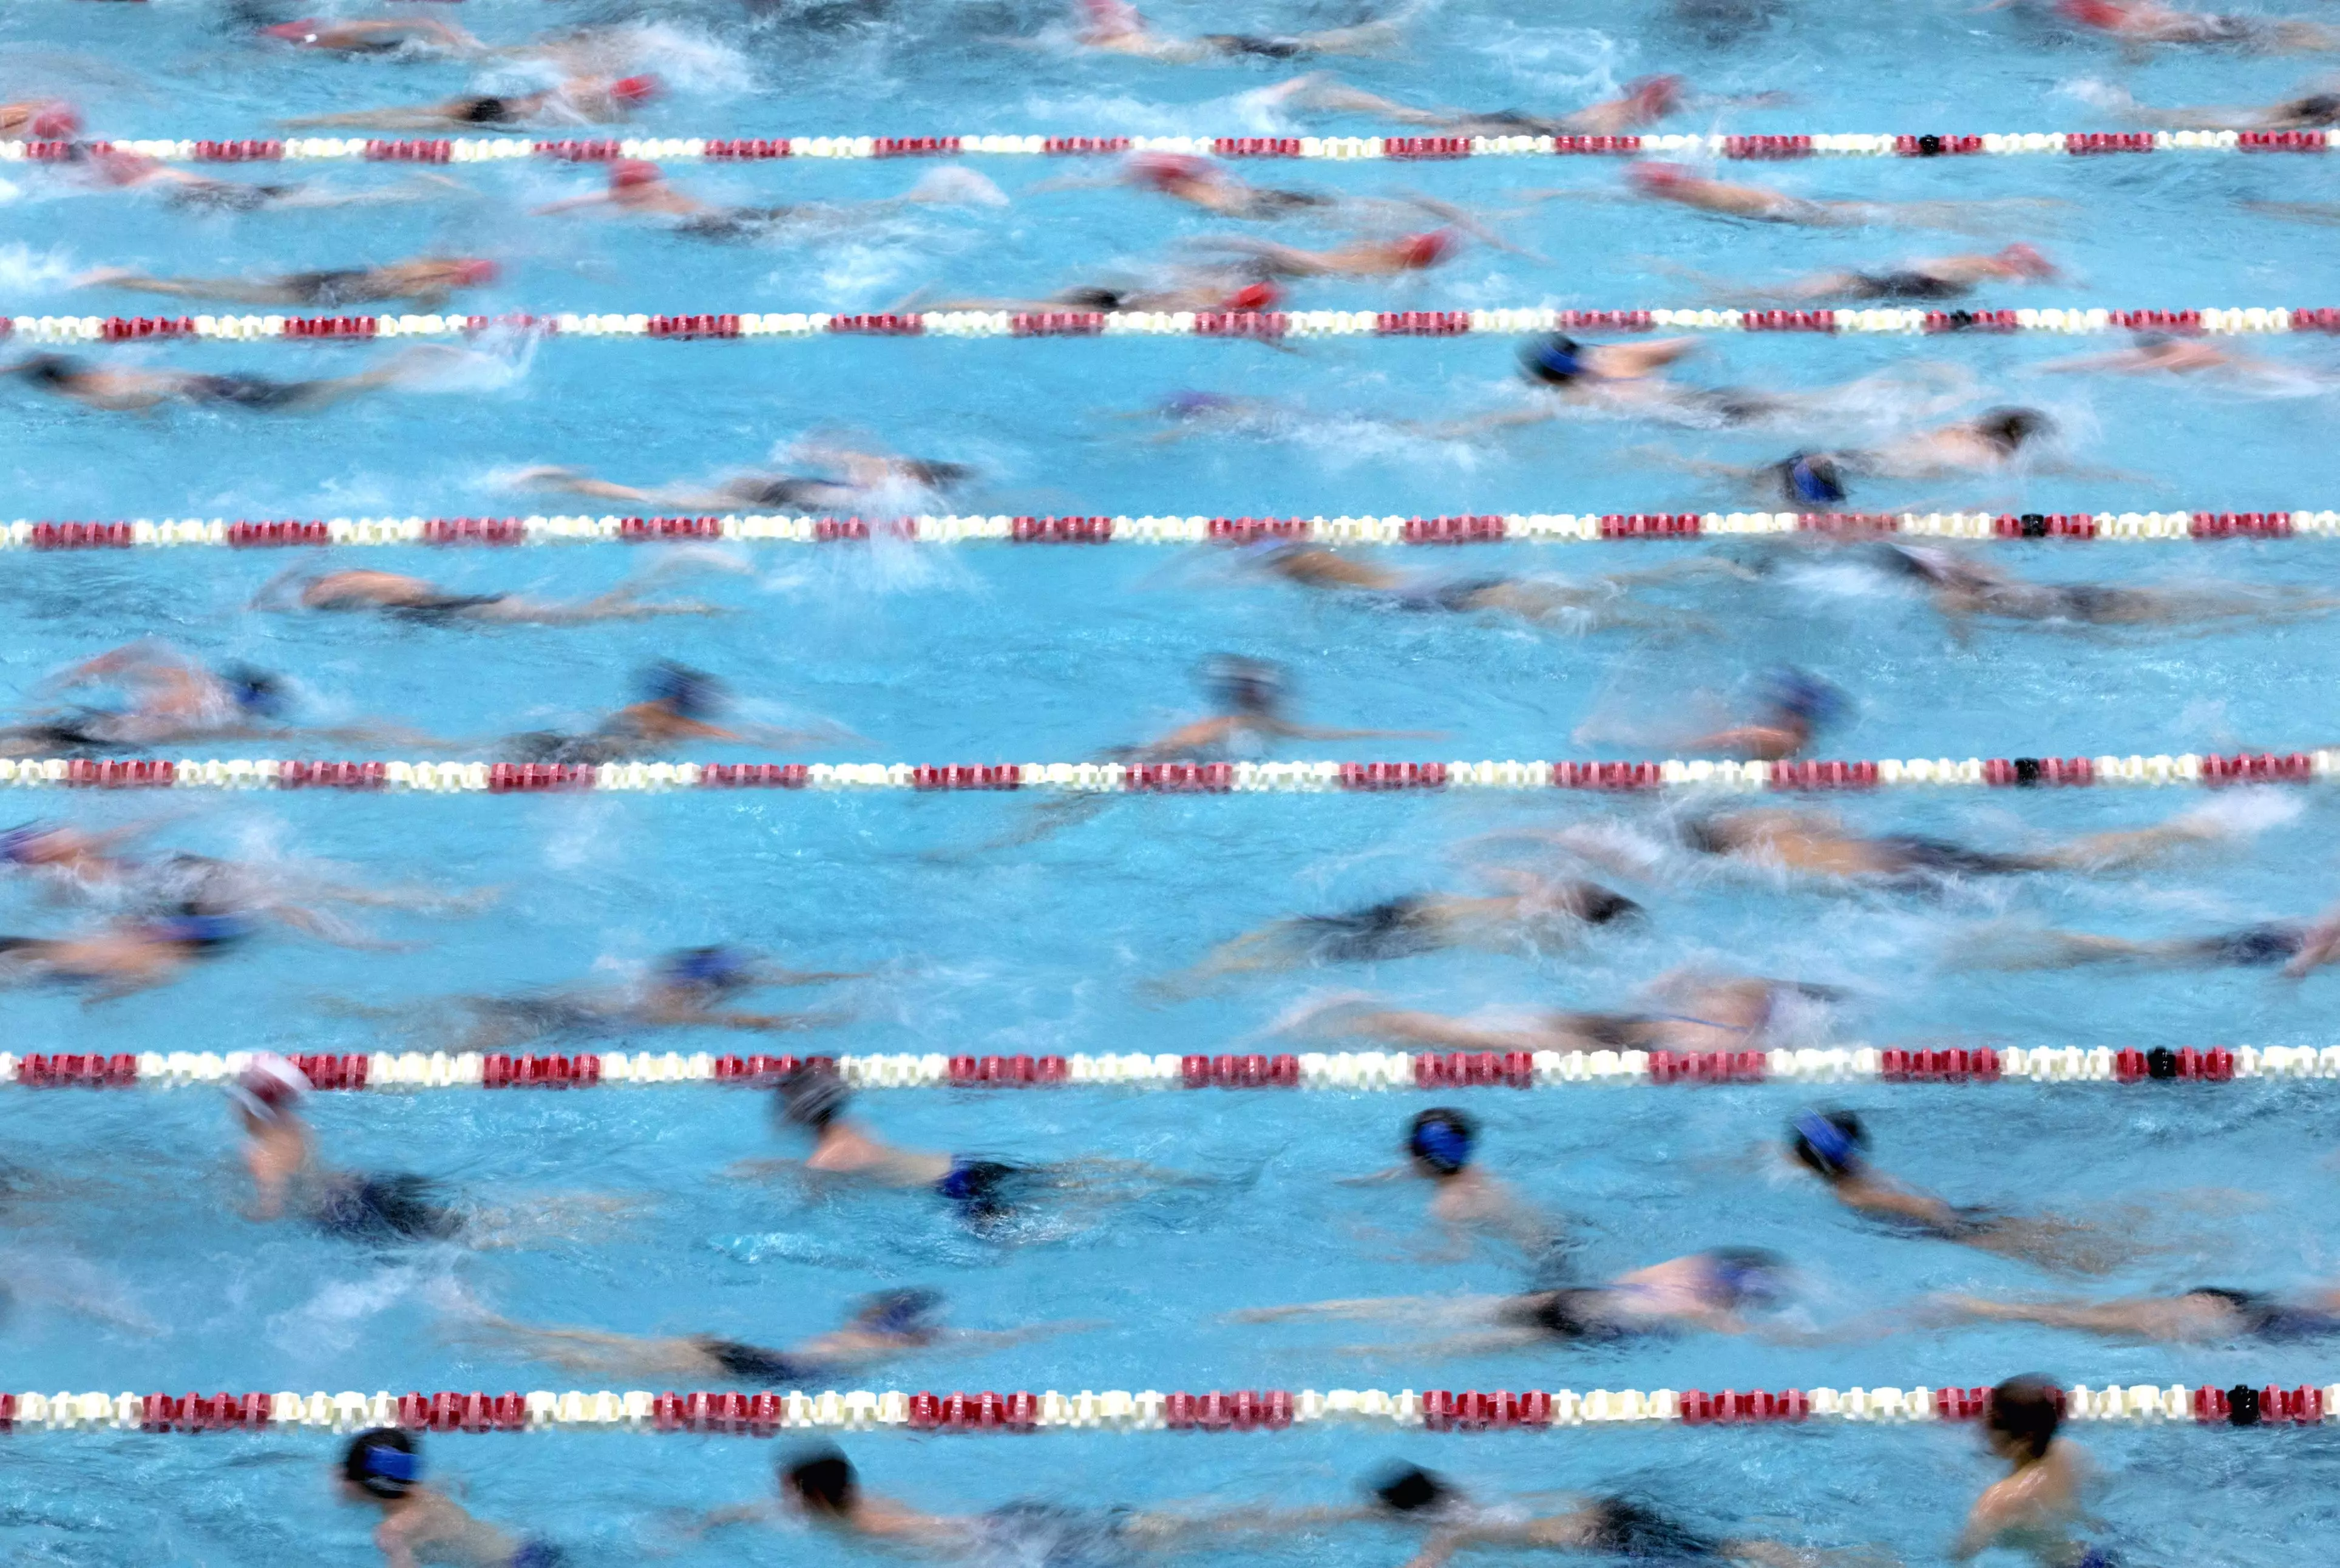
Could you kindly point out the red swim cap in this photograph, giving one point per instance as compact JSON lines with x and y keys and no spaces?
{"x":1657,"y":177}
{"x":125,"y":168}
{"x":1419,"y":250}
{"x":1656,"y":96}
{"x":1262,"y":296}
{"x":475,"y":271}
{"x":268,"y":1087}
{"x":2094,"y":14}
{"x":304,"y":31}
{"x":1160,"y":171}
{"x":634,"y":89}
{"x":628,"y":172}
{"x":1114,"y":16}
{"x":2026,"y":262}
{"x":54,"y":122}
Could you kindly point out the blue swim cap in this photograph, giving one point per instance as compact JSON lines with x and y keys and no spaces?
{"x":394,"y":1464}
{"x":1748,"y":1275}
{"x":1442,"y":1139}
{"x":692,"y":693}
{"x":16,"y":840}
{"x":1557,"y":359}
{"x":721,"y":967}
{"x":1791,"y":693}
{"x":902,"y":1312}
{"x":1189,"y":404}
{"x":254,"y":690}
{"x":1812,"y":477}
{"x":1831,"y":1144}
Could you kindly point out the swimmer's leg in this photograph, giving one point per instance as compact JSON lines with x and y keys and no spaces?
{"x":235,"y":291}
{"x":586,"y":1350}
{"x":575,"y":481}
{"x":2064,"y":1246}
{"x":2051,"y":950}
{"x":1263,"y":951}
{"x":560,"y":1217}
{"x":1426,"y":1308}
{"x":2183,"y":1317}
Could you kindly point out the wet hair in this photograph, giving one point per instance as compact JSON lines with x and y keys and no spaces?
{"x":812,"y":1097}
{"x":1597,"y":905}
{"x":823,"y":1481}
{"x":382,"y":1463}
{"x":1555,"y":361}
{"x":900,"y":1312}
{"x":1243,"y":685}
{"x":1829,"y":1142}
{"x":254,"y":690}
{"x":2010,"y":428}
{"x":2026,"y":1411}
{"x":691,"y":693}
{"x":1409,"y":1489}
{"x":1440,"y":1138}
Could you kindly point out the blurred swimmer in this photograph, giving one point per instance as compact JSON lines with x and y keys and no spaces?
{"x":887,"y":1326}
{"x":1116,"y":27}
{"x":579,"y":101}
{"x":1233,"y":289}
{"x":173,"y":697}
{"x":421,"y":602}
{"x":127,"y":955}
{"x":2166,"y":353}
{"x":1992,"y":442}
{"x":1711,"y":1291}
{"x":2149,"y":22}
{"x":1962,"y":586}
{"x":39,"y":120}
{"x":1833,"y":1146}
{"x":1650,"y":101}
{"x":2297,"y":947}
{"x":1599,"y":602}
{"x":1210,"y":185}
{"x":289,"y":1179}
{"x":1792,"y":706}
{"x":685,"y":989}
{"x":187,"y":191}
{"x":1610,"y":1526}
{"x":426,"y":282}
{"x":862,"y":474}
{"x":1677,"y":184}
{"x":2036,"y":1509}
{"x":2206,"y":1313}
{"x":144,"y":390}
{"x":1952,"y":277}
{"x":1357,"y":259}
{"x":397,"y":35}
{"x":72,"y":859}
{"x":1704,"y":1013}
{"x":677,"y":703}
{"x":1817,"y":844}
{"x":2317,"y":109}
{"x":1250,"y":694}
{"x":383,"y":1468}
{"x":1540,"y":913}
{"x":1465,"y":1201}
{"x":640,"y":188}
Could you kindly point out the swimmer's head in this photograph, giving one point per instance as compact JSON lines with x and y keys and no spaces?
{"x":1747,"y":1277}
{"x":822,"y":1483}
{"x":254,"y":691}
{"x":2008,"y":428}
{"x":382,"y":1464}
{"x":931,"y":475}
{"x":711,"y":968}
{"x":1658,"y":179}
{"x":1655,"y":96}
{"x":268,"y":1089}
{"x":1556,"y":360}
{"x":633,"y":92}
{"x":1167,"y":170}
{"x":1812,"y":478}
{"x":53,"y":122}
{"x":1597,"y":905}
{"x":1416,"y":252}
{"x":1789,"y":696}
{"x":1263,"y":295}
{"x":626,"y":174}
{"x":2026,"y":262}
{"x":901,"y":1314}
{"x":681,"y":690}
{"x":32,"y":844}
{"x":1439,"y":1141}
{"x":1409,"y":1489}
{"x":812,"y":1099}
{"x":472,"y":272}
{"x":1830,"y":1142}
{"x":1240,"y":685}
{"x":47,"y":370}
{"x":1194,"y":404}
{"x":2024,"y":1415}
{"x":2316,"y":108}
{"x":1722,"y":835}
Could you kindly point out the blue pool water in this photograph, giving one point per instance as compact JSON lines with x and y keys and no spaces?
{"x":127,"y":1261}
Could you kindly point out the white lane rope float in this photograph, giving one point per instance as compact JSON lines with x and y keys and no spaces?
{"x":1276,"y":325}
{"x":1349,"y":1071}
{"x":766,"y":1414}
{"x":1519,"y":528}
{"x":1337,"y":149}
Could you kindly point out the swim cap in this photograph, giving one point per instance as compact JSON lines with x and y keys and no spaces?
{"x":1416,"y":251}
{"x":2321,"y":108}
{"x":2011,"y":427}
{"x":628,"y":172}
{"x":2026,"y":1411}
{"x":1748,"y":1275}
{"x":1655,"y":96}
{"x":812,"y":1099}
{"x":1555,"y":361}
{"x":253,"y":690}
{"x":1409,"y":1489}
{"x":1243,"y":685}
{"x":2026,"y":260}
{"x":1812,"y":477}
{"x":1160,"y":171}
{"x":1597,"y":905}
{"x":53,"y":123}
{"x":719,"y":968}
{"x":691,"y":693}
{"x":1192,"y":405}
{"x":1791,"y":693}
{"x":122,"y":168}
{"x":1441,"y":1139}
{"x":304,"y":31}
{"x":475,"y":271}
{"x":1829,"y":1142}
{"x":2092,"y":12}
{"x":269,"y":1088}
{"x":901,"y":1312}
{"x":1259,"y":297}
{"x":823,"y":1481}
{"x":1657,"y":178}
{"x":382,"y":1463}
{"x":634,"y":90}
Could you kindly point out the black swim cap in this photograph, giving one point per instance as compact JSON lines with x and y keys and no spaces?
{"x":1244,"y":685}
{"x":2011,"y":427}
{"x":1409,"y":1488}
{"x":813,"y":1098}
{"x":691,"y":693}
{"x":1556,"y":360}
{"x":1440,"y":1138}
{"x":382,"y":1463}
{"x":823,"y":1481}
{"x":2026,"y":1411}
{"x":2323,"y":107}
{"x":1830,"y":1142}
{"x":1597,"y":905}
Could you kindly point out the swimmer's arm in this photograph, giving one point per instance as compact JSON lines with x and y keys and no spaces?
{"x":1440,"y":1549}
{"x":145,"y":653}
{"x":2319,"y":947}
{"x":391,"y":1537}
{"x":1764,"y":742}
{"x":1983,"y":1526}
{"x":808,"y":977}
{"x":1393,"y":1172}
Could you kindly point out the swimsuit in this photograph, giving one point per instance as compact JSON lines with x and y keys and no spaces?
{"x":754,"y":1363}
{"x":1906,"y":853}
{"x":733,"y":223}
{"x":395,"y":1207}
{"x":537,"y":1553}
{"x":1910,"y":285}
{"x":228,"y":198}
{"x":435,"y":611}
{"x":985,"y":1189}
{"x":1095,"y":299}
{"x":2264,"y":1317}
{"x":485,"y":112}
{"x":541,"y":1015}
{"x":2252,"y":947}
{"x":1247,"y":44}
{"x":553,"y":746}
{"x":1050,"y":1535}
{"x":1571,"y":1314}
{"x":336,"y":288}
{"x":245,"y":391}
{"x":205,"y":934}
{"x":1457,"y":596}
{"x":1624,"y":1529}
{"x":1393,"y":928}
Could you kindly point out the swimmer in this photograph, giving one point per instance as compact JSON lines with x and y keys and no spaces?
{"x":1926,"y":279}
{"x":427,"y":283}
{"x":126,"y":956}
{"x":639,"y":188}
{"x":2314,"y":110}
{"x":1465,"y":1201}
{"x":2150,"y":22}
{"x":1116,"y":27}
{"x":1817,"y":844}
{"x":1990,"y":443}
{"x":71,"y":858}
{"x":187,"y":191}
{"x":859,"y":477}
{"x":173,"y":697}
{"x":1703,"y":1013}
{"x":1213,"y":187}
{"x":399,"y":36}
{"x":2207,"y":1313}
{"x":2036,"y":1508}
{"x":39,"y":120}
{"x":1225,"y":288}
{"x":1792,"y":708}
{"x":1250,"y":694}
{"x":1962,"y":586}
{"x":1357,"y":259}
{"x":2167,"y":353}
{"x":1832,"y":1146}
{"x":419,"y":601}
{"x":144,"y":390}
{"x":1598,"y":1527}
{"x":1675,"y":182}
{"x":579,"y":101}
{"x":1602,"y":601}
{"x":1710,"y":1291}
{"x":383,"y":1468}
{"x":2297,"y":947}
{"x":1647,"y":102}
{"x":885,"y":1327}
{"x":289,"y":1179}
{"x":1540,"y":913}
{"x":677,"y":703}
{"x":685,"y":989}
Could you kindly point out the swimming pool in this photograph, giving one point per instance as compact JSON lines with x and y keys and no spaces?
{"x":129,"y":1265}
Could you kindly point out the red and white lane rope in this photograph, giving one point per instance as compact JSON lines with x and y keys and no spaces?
{"x":1231,"y":324}
{"x":1529,"y":528}
{"x":1338,"y":149}
{"x":1149,"y":1410}
{"x":1168,"y":778}
{"x":1437,"y":1071}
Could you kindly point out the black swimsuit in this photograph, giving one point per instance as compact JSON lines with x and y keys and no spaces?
{"x":1250,"y":43}
{"x":257,"y":392}
{"x":332,"y":288}
{"x":2264,"y":1317}
{"x":1570,"y":1314}
{"x":754,"y":1363}
{"x":397,"y":1207}
{"x":486,"y":112}
{"x":1393,"y":928}
{"x":439,"y":610}
{"x":1909,"y":854}
{"x":1625,"y":1529}
{"x":2255,"y":947}
{"x":1908,"y":286}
